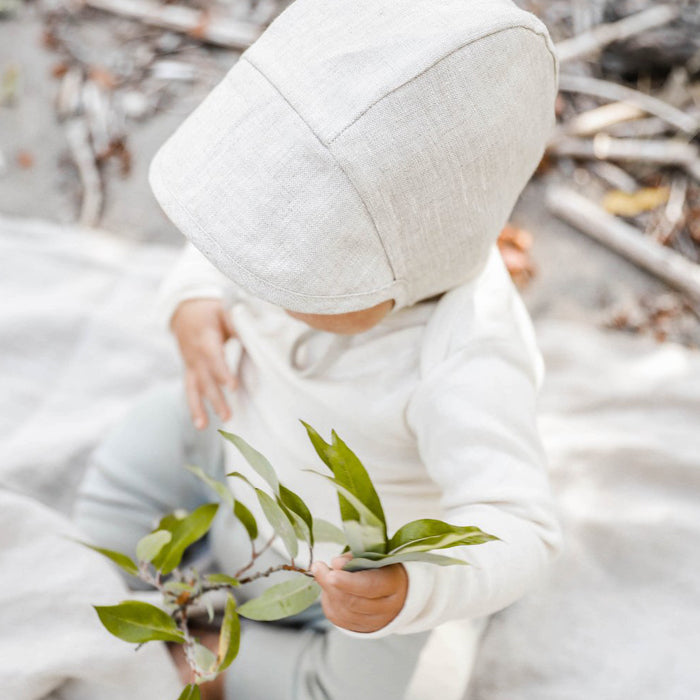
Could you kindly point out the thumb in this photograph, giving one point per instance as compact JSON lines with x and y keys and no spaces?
{"x":341,"y":560}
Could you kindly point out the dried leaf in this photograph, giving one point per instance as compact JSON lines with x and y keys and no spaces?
{"x":634,"y":203}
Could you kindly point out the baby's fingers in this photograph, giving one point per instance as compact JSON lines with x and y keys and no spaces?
{"x":195,"y":402}
{"x":221,"y":371}
{"x":215,"y":396}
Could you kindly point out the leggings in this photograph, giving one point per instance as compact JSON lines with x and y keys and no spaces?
{"x":137,"y":474}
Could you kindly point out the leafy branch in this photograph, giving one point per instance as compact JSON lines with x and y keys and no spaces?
{"x":364,"y":534}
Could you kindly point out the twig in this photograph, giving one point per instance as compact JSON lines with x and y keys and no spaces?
{"x":255,"y":556}
{"x":607,"y":90}
{"x":604,"y":147}
{"x":78,"y":136}
{"x":274,"y":569}
{"x":210,"y":28}
{"x":668,"y":265}
{"x":600,"y":118}
{"x":595,"y":39}
{"x":614,"y":176}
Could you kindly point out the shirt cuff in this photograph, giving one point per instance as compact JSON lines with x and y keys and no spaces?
{"x":165,"y":307}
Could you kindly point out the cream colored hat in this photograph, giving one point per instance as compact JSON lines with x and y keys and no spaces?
{"x":363,"y":150}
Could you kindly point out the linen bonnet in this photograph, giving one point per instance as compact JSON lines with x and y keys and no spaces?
{"x":363,"y":150}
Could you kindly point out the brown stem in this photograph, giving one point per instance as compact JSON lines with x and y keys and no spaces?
{"x":255,"y":556}
{"x":273,"y":569}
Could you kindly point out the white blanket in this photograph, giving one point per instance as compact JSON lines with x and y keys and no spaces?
{"x":619,"y":618}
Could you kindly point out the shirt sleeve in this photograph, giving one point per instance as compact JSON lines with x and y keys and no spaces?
{"x":474,"y":417}
{"x":192,"y":277}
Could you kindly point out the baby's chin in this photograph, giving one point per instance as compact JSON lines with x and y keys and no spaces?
{"x":349,"y":323}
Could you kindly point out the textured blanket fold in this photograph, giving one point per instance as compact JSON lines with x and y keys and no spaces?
{"x":618,"y":619}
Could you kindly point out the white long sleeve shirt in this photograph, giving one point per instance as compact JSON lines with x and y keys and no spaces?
{"x":439,"y":403}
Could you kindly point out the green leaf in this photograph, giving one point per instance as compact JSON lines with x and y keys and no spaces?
{"x":230,"y":637}
{"x":247,"y":519}
{"x":363,"y":538}
{"x":424,"y":535}
{"x":279,"y":521}
{"x":370,"y":562}
{"x":222,"y":578}
{"x":256,"y":460}
{"x":138,"y":622}
{"x":371,"y":536}
{"x":222,"y":491}
{"x":293,"y":503}
{"x":149,"y":546}
{"x":204,"y":658}
{"x":282,"y":600}
{"x":118,"y":558}
{"x":168,"y":522}
{"x":320,"y":445}
{"x":190,"y":692}
{"x":184,"y":533}
{"x":327,"y":532}
{"x":350,"y":473}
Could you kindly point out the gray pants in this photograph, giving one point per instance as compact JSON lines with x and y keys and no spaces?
{"x":137,"y":474}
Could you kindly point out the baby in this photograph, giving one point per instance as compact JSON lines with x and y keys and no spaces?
{"x":342,"y":189}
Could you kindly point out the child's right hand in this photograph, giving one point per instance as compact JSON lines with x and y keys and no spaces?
{"x":202,"y":327}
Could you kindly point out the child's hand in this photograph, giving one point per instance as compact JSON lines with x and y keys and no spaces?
{"x":202,"y":327}
{"x":361,"y":601}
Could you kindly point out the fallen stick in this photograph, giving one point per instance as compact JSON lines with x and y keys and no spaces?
{"x":601,"y":118}
{"x":595,"y":39}
{"x":606,"y":90}
{"x":208,"y":27}
{"x":78,"y":136}
{"x":632,"y":244}
{"x":604,"y":147}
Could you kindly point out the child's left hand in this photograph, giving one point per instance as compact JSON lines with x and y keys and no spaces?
{"x":361,"y":601}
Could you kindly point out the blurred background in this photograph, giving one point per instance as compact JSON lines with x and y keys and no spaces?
{"x":604,"y":244}
{"x":90,"y":88}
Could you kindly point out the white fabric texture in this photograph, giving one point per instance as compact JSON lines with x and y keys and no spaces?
{"x":52,"y":642}
{"x":619,"y":615}
{"x":363,"y":150}
{"x":439,"y":402}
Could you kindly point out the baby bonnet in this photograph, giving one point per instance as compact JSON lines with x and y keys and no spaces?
{"x":363,"y":150}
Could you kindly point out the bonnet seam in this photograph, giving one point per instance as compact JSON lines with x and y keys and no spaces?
{"x":440,"y":60}
{"x":335,"y":160}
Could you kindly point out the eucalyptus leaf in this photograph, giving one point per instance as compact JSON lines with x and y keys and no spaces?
{"x":184,"y":533}
{"x":221,"y":490}
{"x":121,"y":560}
{"x":168,"y":522}
{"x":351,"y":473}
{"x":222,"y":578}
{"x":363,"y":539}
{"x":256,"y":460}
{"x":427,"y":534}
{"x":205,"y":660}
{"x":230,"y":636}
{"x":327,"y":532}
{"x":320,"y":445}
{"x":372,"y":535}
{"x":246,"y":518}
{"x":191,"y":692}
{"x":282,"y":600}
{"x":294,"y":503}
{"x":139,"y":622}
{"x":361,"y":563}
{"x":150,"y":545}
{"x":279,"y":521}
